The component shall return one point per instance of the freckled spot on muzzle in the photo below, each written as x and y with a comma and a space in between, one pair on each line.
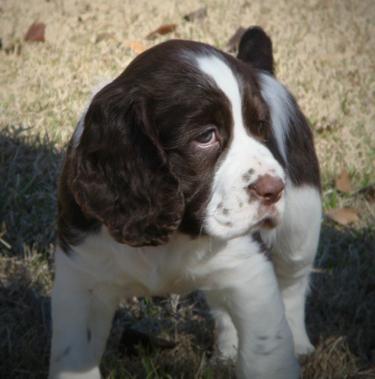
248, 175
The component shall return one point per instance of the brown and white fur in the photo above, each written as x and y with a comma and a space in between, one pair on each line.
181, 173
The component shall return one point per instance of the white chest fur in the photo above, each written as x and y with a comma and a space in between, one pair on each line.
177, 267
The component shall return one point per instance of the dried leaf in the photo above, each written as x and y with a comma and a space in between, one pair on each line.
137, 47
161, 30
343, 216
343, 182
234, 41
197, 15
36, 32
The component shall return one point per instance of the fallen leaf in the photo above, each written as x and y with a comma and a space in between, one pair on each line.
36, 32
197, 15
137, 47
234, 41
343, 182
343, 216
161, 30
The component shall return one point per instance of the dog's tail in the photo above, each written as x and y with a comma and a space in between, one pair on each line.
256, 48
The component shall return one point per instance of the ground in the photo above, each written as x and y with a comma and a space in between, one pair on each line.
324, 52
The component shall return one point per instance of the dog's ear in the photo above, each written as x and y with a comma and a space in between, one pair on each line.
121, 174
256, 48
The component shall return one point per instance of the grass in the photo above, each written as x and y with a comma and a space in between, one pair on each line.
323, 51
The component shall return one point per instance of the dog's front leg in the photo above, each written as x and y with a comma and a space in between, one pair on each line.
293, 256
248, 290
82, 312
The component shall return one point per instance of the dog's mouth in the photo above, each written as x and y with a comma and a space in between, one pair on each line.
266, 223
269, 223
269, 217
228, 222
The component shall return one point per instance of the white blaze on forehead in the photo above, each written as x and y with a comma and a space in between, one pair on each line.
281, 108
224, 78
229, 212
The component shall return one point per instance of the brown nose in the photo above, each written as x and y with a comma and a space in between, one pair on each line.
267, 188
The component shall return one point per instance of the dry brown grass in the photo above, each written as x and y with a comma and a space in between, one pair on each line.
324, 52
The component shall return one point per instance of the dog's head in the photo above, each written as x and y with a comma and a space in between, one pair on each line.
181, 140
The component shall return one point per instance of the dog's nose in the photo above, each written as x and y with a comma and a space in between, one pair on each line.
267, 188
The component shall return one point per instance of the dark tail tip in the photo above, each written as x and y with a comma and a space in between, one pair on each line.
256, 48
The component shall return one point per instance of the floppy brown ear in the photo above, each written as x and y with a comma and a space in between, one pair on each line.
121, 175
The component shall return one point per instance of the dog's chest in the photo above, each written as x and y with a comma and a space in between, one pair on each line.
146, 271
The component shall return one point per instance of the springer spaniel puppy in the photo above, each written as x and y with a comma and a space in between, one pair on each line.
191, 170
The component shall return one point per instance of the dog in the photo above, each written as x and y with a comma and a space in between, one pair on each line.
191, 170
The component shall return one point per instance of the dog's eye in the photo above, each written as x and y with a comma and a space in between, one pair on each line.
207, 138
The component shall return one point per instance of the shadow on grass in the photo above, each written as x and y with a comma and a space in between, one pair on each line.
28, 175
340, 310
24, 320
341, 306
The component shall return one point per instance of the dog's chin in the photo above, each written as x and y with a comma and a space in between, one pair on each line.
267, 221
269, 217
